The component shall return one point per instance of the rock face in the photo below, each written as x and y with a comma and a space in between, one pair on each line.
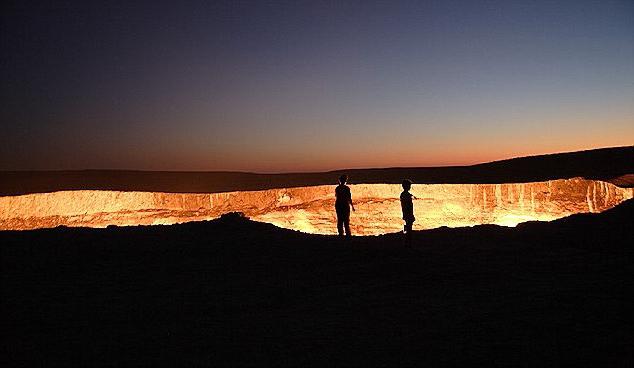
311, 209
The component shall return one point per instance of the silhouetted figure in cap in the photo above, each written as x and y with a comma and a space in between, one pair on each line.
407, 205
342, 205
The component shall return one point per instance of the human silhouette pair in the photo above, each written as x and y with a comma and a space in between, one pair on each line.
343, 203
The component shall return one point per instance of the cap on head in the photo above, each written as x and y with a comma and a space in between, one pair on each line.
407, 184
343, 179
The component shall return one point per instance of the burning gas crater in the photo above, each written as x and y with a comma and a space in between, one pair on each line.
311, 209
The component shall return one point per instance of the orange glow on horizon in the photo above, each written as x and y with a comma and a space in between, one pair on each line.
333, 159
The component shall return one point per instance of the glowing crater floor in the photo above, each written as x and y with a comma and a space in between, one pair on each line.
311, 209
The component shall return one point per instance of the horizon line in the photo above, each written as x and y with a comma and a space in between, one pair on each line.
323, 171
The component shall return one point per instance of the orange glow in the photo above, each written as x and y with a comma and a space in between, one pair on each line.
311, 209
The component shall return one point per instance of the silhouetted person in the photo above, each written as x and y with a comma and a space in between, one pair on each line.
342, 205
407, 205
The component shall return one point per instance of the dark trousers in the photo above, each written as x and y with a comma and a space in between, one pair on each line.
343, 221
407, 229
407, 233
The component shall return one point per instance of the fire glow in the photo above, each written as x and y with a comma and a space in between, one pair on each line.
311, 209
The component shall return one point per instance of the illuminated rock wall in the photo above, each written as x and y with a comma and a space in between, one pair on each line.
311, 209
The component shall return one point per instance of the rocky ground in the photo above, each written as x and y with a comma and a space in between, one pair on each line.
236, 292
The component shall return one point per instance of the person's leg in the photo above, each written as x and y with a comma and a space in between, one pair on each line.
408, 227
346, 223
340, 225
407, 230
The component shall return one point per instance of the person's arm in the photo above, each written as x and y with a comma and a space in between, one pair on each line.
351, 204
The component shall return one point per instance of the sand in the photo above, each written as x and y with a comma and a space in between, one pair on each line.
235, 292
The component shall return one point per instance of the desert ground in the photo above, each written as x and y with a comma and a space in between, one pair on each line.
600, 164
502, 193
236, 292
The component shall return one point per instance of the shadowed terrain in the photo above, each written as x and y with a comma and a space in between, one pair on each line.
601, 164
236, 292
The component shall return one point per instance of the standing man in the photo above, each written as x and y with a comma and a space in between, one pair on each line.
407, 205
342, 205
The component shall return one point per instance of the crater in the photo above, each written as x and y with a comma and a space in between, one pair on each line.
311, 209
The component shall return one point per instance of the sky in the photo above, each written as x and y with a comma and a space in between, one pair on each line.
283, 86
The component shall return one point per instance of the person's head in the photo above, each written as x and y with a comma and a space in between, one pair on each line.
407, 184
343, 179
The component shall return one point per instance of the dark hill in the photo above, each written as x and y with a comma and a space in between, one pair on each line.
235, 292
606, 163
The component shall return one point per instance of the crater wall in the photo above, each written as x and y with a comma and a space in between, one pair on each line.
311, 209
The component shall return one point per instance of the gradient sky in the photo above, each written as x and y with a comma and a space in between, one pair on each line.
299, 86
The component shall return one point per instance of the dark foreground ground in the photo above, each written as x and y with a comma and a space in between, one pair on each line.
235, 292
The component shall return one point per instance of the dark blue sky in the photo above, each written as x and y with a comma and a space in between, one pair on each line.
285, 86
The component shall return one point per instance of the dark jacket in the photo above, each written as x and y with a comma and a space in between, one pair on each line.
407, 205
343, 198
